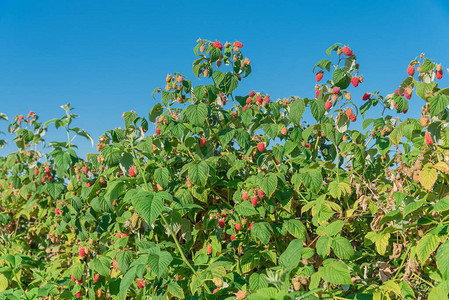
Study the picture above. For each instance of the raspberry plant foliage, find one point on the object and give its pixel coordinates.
(235, 195)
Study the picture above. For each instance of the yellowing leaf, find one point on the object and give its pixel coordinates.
(427, 177)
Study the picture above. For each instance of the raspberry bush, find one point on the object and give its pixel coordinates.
(235, 196)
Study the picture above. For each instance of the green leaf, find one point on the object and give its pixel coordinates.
(427, 66)
(441, 205)
(297, 109)
(323, 64)
(323, 246)
(336, 273)
(258, 281)
(290, 258)
(175, 289)
(436, 293)
(411, 207)
(312, 179)
(197, 113)
(123, 260)
(271, 130)
(246, 209)
(55, 189)
(428, 176)
(295, 228)
(426, 246)
(148, 206)
(199, 173)
(423, 88)
(126, 282)
(317, 107)
(261, 231)
(162, 176)
(4, 283)
(342, 247)
(268, 184)
(226, 136)
(380, 239)
(438, 103)
(159, 261)
(443, 259)
(101, 265)
(341, 78)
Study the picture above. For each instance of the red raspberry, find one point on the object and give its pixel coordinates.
(82, 252)
(317, 93)
(252, 94)
(21, 117)
(250, 225)
(232, 238)
(245, 196)
(78, 295)
(366, 96)
(349, 112)
(244, 108)
(158, 131)
(261, 147)
(439, 74)
(141, 284)
(267, 99)
(328, 105)
(355, 81)
(249, 100)
(88, 184)
(73, 278)
(407, 95)
(353, 118)
(234, 114)
(428, 139)
(319, 76)
(84, 170)
(221, 223)
(209, 249)
(36, 171)
(202, 142)
(132, 172)
(261, 194)
(254, 200)
(57, 211)
(347, 51)
(96, 277)
(411, 70)
(238, 226)
(218, 45)
(335, 90)
(238, 44)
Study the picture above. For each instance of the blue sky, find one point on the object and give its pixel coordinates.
(106, 57)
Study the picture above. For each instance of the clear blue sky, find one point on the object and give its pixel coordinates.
(106, 57)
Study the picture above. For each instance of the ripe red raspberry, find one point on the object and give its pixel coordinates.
(73, 278)
(249, 100)
(355, 81)
(238, 44)
(216, 290)
(141, 284)
(240, 295)
(267, 99)
(349, 112)
(439, 74)
(96, 277)
(238, 226)
(428, 139)
(328, 105)
(319, 76)
(158, 131)
(407, 95)
(317, 93)
(353, 118)
(88, 184)
(209, 249)
(57, 211)
(234, 114)
(232, 238)
(84, 170)
(250, 225)
(82, 252)
(221, 223)
(218, 45)
(252, 94)
(335, 90)
(259, 99)
(411, 70)
(244, 108)
(78, 295)
(43, 179)
(405, 111)
(36, 171)
(21, 117)
(254, 200)
(47, 169)
(261, 194)
(347, 51)
(245, 196)
(202, 142)
(261, 147)
(132, 172)
(366, 96)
